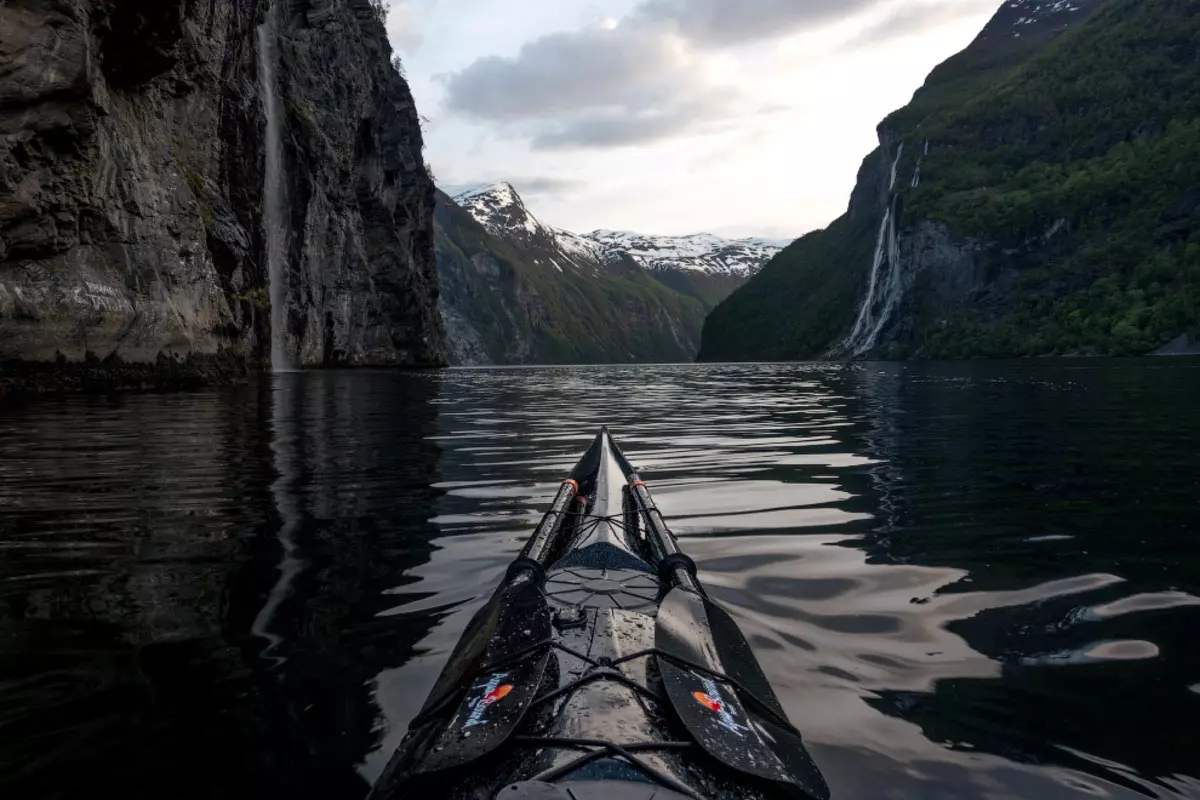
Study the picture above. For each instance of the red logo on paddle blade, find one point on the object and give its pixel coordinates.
(711, 703)
(496, 695)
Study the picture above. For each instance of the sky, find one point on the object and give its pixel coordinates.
(734, 117)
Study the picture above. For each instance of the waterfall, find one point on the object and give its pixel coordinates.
(896, 166)
(865, 321)
(868, 325)
(275, 212)
(891, 287)
(916, 181)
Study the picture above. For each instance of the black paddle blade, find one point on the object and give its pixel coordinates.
(496, 699)
(740, 727)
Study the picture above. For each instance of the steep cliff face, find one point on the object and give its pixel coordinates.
(132, 166)
(1038, 196)
(540, 296)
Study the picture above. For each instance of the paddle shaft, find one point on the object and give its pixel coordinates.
(539, 546)
(662, 541)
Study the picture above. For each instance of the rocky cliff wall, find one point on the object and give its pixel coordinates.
(131, 188)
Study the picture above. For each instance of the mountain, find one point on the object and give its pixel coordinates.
(502, 212)
(704, 266)
(516, 291)
(133, 165)
(1038, 196)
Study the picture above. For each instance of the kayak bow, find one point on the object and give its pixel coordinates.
(601, 670)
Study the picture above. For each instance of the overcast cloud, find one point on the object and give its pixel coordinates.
(732, 22)
(671, 116)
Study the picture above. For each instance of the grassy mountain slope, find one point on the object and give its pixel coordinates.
(501, 307)
(1059, 201)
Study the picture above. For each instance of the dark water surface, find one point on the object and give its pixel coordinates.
(973, 580)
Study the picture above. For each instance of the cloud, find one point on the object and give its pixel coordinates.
(916, 18)
(547, 185)
(598, 87)
(620, 130)
(529, 185)
(573, 71)
(647, 77)
(403, 26)
(603, 86)
(734, 22)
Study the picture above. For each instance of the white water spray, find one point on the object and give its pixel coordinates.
(866, 322)
(882, 297)
(916, 181)
(275, 214)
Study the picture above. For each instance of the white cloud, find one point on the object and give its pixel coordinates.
(674, 116)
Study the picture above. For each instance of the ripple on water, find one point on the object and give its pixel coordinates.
(942, 567)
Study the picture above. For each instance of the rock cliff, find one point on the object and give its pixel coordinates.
(132, 167)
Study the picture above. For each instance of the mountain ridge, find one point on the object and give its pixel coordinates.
(1037, 197)
(517, 291)
(501, 210)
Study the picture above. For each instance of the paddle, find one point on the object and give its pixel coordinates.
(712, 677)
(502, 684)
(722, 696)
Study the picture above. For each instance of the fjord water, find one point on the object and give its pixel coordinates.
(965, 580)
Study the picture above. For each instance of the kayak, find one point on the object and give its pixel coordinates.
(600, 669)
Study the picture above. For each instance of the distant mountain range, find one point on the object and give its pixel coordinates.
(516, 290)
(1040, 195)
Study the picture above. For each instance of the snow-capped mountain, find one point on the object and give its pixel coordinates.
(700, 252)
(501, 211)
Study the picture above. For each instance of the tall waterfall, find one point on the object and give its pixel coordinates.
(882, 296)
(275, 211)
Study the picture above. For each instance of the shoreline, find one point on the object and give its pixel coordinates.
(23, 381)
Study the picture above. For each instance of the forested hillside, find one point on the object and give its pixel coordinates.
(1047, 202)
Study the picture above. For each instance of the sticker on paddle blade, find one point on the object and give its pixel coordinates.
(493, 692)
(488, 713)
(712, 699)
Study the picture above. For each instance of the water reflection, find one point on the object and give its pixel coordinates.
(160, 636)
(964, 580)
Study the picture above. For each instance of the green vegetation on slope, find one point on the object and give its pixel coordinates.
(1076, 165)
(1101, 133)
(757, 322)
(526, 313)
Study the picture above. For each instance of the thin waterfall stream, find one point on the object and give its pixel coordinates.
(274, 195)
(869, 323)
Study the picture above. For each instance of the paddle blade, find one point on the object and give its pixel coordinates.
(495, 700)
(696, 631)
(714, 715)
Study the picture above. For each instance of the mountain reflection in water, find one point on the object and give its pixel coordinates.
(965, 580)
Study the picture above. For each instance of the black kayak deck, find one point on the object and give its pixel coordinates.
(561, 688)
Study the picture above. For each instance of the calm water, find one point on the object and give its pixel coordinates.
(977, 580)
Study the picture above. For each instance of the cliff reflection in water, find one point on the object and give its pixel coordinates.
(190, 585)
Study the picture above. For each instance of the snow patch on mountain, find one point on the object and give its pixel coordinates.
(700, 252)
(501, 211)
